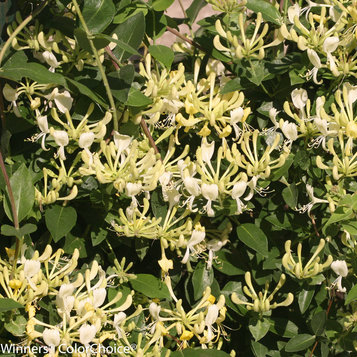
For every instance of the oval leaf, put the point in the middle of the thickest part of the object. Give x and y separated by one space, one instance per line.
304 299
150 286
253 237
269 12
98 14
300 342
9 304
23 192
163 54
60 220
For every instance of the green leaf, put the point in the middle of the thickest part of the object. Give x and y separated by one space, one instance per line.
60 220
290 195
304 299
253 237
259 328
120 82
161 5
72 242
259 350
283 327
318 323
17 68
199 353
194 9
83 89
98 234
300 342
232 86
23 192
163 54
17 325
9 304
340 214
150 286
352 295
137 99
98 14
121 44
226 263
131 32
269 12
11 231
201 278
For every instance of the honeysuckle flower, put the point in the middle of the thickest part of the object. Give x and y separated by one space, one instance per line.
330 44
121 141
118 319
210 193
314 200
210 319
214 245
198 235
299 97
207 150
289 130
11 95
51 337
312 267
262 302
31 268
340 268
316 62
87 333
62 140
238 191
51 60
293 11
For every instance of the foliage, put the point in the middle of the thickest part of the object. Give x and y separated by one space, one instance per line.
215 179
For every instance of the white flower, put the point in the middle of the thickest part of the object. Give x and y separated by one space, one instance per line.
86 140
43 126
210 319
340 268
210 193
314 200
87 333
316 62
236 117
154 310
238 191
299 98
351 92
99 296
121 141
65 300
51 60
293 11
289 130
207 150
31 268
10 94
330 44
133 189
51 337
197 236
61 139
118 319
63 100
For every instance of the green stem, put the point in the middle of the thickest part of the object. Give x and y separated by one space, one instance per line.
19 29
99 64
